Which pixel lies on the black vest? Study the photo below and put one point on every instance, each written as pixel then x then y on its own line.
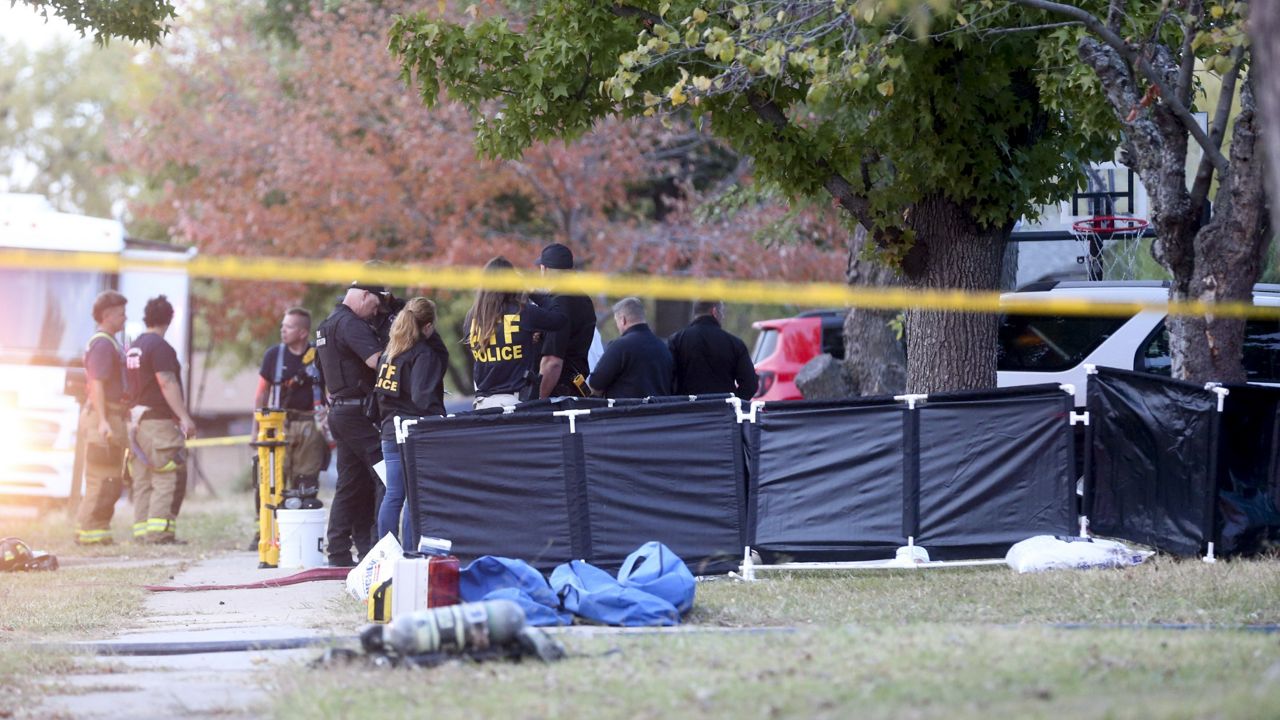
pixel 345 374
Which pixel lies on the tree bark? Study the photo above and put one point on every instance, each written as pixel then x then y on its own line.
pixel 1228 255
pixel 1264 27
pixel 874 362
pixel 951 350
pixel 1155 146
pixel 1214 262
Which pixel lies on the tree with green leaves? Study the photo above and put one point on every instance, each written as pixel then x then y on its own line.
pixel 57 106
pixel 932 140
pixel 136 20
pixel 1212 230
pixel 310 145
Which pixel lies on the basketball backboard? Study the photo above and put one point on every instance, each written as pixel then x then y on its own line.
pixel 1109 189
pixel 1047 248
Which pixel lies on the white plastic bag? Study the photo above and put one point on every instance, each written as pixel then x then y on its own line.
pixel 1046 552
pixel 362 576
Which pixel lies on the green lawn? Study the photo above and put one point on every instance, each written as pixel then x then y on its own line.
pixel 918 671
pixel 97 590
pixel 209 525
pixel 1162 590
pixel 962 643
pixel 974 643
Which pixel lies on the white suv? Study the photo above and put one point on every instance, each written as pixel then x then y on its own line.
pixel 1054 348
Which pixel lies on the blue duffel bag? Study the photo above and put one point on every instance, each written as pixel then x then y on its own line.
pixel 655 569
pixel 499 578
pixel 591 593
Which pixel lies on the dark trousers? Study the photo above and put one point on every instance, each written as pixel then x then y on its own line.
pixel 352 516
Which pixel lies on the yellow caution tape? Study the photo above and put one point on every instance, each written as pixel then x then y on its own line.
pixel 219 441
pixel 342 272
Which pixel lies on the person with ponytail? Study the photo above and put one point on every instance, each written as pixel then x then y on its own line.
pixel 500 330
pixel 409 383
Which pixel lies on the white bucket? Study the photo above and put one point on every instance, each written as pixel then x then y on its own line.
pixel 301 538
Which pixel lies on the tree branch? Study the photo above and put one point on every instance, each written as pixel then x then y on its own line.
pixel 726 183
pixel 1187 73
pixel 1117 43
pixel 1218 130
pixel 1030 28
pixel 865 167
pixel 1115 11
pixel 835 183
pixel 1159 25
pixel 586 81
pixel 631 11
pixel 1119 87
pixel 1226 97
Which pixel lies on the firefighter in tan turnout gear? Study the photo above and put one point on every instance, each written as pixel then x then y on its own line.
pixel 103 422
pixel 162 426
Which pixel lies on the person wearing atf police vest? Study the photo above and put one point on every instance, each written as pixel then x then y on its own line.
pixel 410 383
pixel 500 333
pixel 348 352
pixel 289 380
pixel 161 427
pixel 103 422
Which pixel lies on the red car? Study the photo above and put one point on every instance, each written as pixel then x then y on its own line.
pixel 786 344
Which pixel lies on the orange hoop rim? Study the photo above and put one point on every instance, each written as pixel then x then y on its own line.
pixel 1108 225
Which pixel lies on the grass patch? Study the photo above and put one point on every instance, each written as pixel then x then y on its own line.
pixel 919 671
pixel 98 589
pixel 968 643
pixel 1162 590
pixel 964 643
pixel 73 603
pixel 210 526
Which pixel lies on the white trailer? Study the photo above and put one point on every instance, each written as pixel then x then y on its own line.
pixel 44 325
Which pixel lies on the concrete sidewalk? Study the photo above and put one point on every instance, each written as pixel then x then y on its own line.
pixel 228 684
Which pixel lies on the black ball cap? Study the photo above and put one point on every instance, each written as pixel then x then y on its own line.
pixel 556 257
pixel 379 289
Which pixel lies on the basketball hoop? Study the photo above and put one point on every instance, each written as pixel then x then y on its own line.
pixel 1107 227
pixel 1111 246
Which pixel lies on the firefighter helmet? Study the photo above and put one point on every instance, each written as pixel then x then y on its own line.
pixel 14 555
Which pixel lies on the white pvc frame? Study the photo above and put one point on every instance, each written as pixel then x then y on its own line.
pixel 748 569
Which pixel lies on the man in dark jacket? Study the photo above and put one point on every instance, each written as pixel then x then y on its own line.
pixel 564 366
pixel 709 359
pixel 637 364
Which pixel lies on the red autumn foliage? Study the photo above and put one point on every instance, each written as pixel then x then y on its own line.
pixel 322 151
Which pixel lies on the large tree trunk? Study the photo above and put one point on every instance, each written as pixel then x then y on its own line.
pixel 951 350
pixel 1219 261
pixel 1264 27
pixel 874 362
pixel 1228 260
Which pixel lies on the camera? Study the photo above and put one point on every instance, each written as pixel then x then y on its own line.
pixel 389 303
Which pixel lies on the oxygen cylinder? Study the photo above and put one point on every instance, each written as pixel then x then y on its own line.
pixel 452 629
